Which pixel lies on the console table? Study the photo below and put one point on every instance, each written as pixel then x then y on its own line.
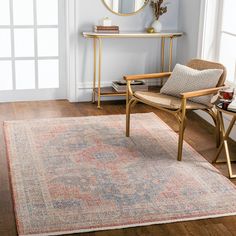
pixel 97 39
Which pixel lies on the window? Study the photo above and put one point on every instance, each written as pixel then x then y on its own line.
pixel 29 44
pixel 227 42
pixel 218 34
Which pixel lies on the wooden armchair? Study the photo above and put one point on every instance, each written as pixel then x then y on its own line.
pixel 178 106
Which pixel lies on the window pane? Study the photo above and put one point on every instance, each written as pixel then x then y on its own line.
pixel 24 42
pixel 5 42
pixel 25 75
pixel 47 42
pixel 6 75
pixel 228 55
pixel 4 12
pixel 48 74
pixel 47 11
pixel 229 19
pixel 23 12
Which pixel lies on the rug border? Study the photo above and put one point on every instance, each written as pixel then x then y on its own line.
pixel 129 225
pixel 107 227
pixel 10 178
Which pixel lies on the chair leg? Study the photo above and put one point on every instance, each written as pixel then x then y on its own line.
pixel 215 118
pixel 218 132
pixel 181 130
pixel 128 110
pixel 181 139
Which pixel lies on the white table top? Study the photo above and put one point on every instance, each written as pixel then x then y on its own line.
pixel 132 35
pixel 232 113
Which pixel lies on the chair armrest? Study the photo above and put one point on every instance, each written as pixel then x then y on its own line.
pixel 147 76
pixel 200 93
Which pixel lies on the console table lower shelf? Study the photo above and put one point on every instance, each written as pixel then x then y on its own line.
pixel 108 92
pixel 111 92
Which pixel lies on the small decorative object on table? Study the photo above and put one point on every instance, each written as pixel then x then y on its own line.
pixel 158 11
pixel 106 21
pixel 105 26
pixel 227 101
pixel 150 30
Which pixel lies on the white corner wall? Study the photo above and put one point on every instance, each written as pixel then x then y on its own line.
pixel 189 19
pixel 120 56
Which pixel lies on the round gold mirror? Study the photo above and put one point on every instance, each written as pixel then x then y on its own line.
pixel 125 7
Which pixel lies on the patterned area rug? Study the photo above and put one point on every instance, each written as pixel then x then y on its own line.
pixel 82 174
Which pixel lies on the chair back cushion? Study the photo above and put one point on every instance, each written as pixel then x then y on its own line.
pixel 199 64
pixel 185 79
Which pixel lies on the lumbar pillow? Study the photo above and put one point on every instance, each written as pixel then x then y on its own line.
pixel 185 79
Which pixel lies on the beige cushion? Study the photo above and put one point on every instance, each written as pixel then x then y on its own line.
pixel 186 79
pixel 166 101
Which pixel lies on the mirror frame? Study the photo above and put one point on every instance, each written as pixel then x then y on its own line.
pixel 126 14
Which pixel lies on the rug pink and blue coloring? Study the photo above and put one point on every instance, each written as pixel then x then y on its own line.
pixel 73 175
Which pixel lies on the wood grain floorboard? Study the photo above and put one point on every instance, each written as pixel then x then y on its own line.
pixel 199 134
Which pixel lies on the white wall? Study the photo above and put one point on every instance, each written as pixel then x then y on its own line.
pixel 189 17
pixel 189 22
pixel 121 56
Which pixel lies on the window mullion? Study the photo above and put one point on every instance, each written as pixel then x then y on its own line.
pixel 12 45
pixel 36 45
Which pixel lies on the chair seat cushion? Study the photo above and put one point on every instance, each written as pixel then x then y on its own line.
pixel 185 79
pixel 166 101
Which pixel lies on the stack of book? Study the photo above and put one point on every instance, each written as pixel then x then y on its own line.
pixel 120 86
pixel 106 29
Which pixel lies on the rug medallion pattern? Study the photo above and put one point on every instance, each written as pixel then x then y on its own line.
pixel 82 174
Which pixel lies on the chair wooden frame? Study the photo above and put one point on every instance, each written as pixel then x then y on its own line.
pixel 180 114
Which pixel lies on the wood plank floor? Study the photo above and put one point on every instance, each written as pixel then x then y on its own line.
pixel 198 134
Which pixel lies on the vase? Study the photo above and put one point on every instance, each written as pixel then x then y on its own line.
pixel 157 26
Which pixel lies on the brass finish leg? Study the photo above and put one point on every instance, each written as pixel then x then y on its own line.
pixel 171 54
pixel 99 72
pixel 162 56
pixel 222 133
pixel 134 104
pixel 128 110
pixel 95 68
pixel 227 148
pixel 127 93
pixel 218 132
pixel 224 143
pixel 181 130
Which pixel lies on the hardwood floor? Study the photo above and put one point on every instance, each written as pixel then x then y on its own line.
pixel 198 134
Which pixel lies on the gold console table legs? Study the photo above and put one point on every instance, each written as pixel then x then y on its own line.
pixel 97 69
pixel 97 44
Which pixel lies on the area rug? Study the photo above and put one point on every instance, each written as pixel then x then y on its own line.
pixel 74 175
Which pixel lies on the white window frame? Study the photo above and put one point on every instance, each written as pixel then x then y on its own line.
pixel 213 39
pixel 71 49
pixel 37 93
